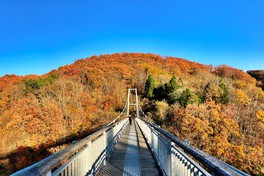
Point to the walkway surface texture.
(131, 156)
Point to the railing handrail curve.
(214, 165)
(44, 166)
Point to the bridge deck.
(131, 156)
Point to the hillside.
(218, 109)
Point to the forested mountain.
(218, 109)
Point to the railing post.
(151, 137)
(158, 143)
(105, 145)
(48, 174)
(88, 158)
(171, 159)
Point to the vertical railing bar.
(77, 166)
(69, 171)
(74, 167)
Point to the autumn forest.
(220, 110)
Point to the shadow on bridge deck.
(131, 156)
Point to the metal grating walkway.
(131, 156)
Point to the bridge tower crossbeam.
(132, 104)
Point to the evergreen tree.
(201, 98)
(172, 98)
(185, 97)
(171, 86)
(225, 94)
(149, 86)
(160, 92)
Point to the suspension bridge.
(130, 149)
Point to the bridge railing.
(83, 158)
(171, 154)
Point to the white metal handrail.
(168, 152)
(171, 160)
(84, 158)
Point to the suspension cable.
(114, 121)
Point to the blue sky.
(37, 36)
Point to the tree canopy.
(218, 109)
